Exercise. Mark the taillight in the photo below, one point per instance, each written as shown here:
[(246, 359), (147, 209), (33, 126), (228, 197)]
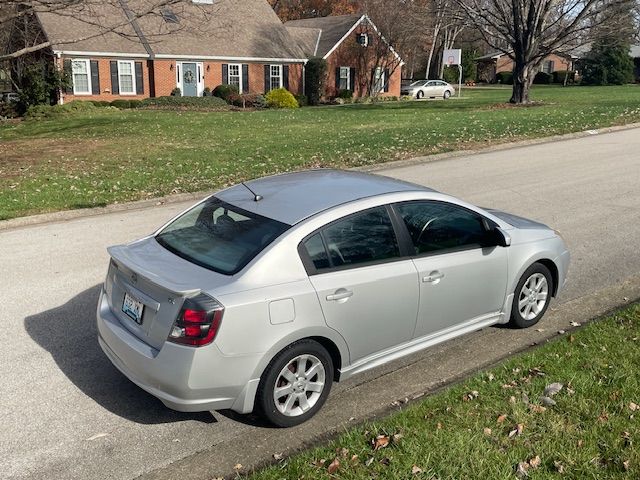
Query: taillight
[(198, 322)]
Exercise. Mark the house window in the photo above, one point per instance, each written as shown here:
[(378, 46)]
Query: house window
[(363, 39), (547, 67), (81, 77), (126, 78), (235, 75), (345, 78), (276, 77), (379, 80)]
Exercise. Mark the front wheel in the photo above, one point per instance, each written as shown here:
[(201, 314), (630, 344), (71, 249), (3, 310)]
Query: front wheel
[(420, 95), (447, 94), (532, 296), (296, 384)]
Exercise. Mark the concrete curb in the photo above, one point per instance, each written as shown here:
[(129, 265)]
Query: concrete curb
[(67, 215)]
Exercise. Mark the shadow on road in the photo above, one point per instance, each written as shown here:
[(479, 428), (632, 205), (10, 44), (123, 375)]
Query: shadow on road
[(70, 335)]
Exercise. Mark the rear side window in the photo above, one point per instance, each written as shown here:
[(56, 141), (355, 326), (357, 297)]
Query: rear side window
[(358, 239), (219, 236), (437, 226)]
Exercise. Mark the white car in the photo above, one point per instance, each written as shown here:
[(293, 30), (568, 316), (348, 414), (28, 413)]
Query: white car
[(429, 89)]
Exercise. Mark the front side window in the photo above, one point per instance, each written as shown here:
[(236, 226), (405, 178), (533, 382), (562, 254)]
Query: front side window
[(345, 80), (126, 78), (358, 239), (276, 76), (235, 75), (219, 236), (379, 79), (81, 77), (437, 226)]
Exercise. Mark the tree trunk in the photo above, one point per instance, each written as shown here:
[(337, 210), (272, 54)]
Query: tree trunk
[(523, 75)]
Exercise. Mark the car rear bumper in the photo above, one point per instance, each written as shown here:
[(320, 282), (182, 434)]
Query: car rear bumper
[(184, 378)]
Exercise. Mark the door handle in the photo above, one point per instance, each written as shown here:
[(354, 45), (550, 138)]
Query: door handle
[(433, 277), (340, 294)]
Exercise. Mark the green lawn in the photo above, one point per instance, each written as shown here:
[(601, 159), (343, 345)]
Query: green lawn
[(104, 157), (487, 426)]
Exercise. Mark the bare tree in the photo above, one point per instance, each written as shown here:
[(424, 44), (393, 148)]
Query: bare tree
[(530, 30)]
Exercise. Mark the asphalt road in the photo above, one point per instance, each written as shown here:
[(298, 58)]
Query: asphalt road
[(67, 413)]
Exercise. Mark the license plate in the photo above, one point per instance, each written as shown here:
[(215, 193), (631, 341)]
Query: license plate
[(133, 308)]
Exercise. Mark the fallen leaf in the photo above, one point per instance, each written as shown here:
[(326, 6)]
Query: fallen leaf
[(552, 389), (333, 466), (237, 466), (278, 456), (439, 426), (521, 470), (397, 437), (575, 324), (491, 377), (512, 399), (535, 462), (625, 464), (344, 452), (537, 408), (354, 458), (633, 407), (416, 470), (571, 339), (381, 441), (501, 418), (604, 416), (517, 430), (559, 466), (487, 431), (547, 401), (560, 332), (385, 461), (626, 436), (368, 462), (580, 443)]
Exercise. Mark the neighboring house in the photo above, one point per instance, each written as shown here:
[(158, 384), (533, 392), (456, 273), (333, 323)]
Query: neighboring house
[(192, 45), (358, 58), (492, 64)]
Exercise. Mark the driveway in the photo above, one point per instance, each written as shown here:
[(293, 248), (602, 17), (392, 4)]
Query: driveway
[(67, 413)]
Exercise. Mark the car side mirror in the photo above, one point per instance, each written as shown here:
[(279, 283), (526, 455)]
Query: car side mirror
[(502, 238)]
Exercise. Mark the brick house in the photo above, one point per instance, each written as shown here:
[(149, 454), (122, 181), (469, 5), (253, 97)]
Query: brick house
[(191, 45), (358, 58), (492, 64)]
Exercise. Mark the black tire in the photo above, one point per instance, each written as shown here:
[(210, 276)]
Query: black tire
[(446, 95), (265, 403), (517, 320), (420, 95)]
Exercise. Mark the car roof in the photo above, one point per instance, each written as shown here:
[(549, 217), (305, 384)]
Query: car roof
[(293, 197)]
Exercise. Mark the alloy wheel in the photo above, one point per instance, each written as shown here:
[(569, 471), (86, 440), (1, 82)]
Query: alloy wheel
[(533, 296), (299, 385)]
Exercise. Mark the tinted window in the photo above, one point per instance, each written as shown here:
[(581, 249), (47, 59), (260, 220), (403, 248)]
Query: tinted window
[(435, 226), (219, 236), (361, 238), (316, 251)]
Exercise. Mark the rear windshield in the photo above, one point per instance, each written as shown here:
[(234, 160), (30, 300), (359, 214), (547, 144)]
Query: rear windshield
[(219, 236)]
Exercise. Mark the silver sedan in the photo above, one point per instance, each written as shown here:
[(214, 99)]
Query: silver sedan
[(264, 294), (429, 89)]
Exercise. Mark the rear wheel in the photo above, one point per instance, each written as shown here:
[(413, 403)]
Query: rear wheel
[(532, 296), (447, 94), (420, 95), (296, 384)]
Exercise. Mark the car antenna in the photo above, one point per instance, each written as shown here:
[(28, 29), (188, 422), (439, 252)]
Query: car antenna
[(256, 197)]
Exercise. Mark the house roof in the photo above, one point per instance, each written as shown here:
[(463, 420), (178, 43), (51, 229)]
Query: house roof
[(307, 38), (332, 30), (226, 29)]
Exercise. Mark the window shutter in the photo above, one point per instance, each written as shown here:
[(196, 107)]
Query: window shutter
[(115, 87), (267, 78), (352, 78), (225, 74), (139, 79), (68, 70), (386, 80), (551, 65), (337, 79), (285, 76), (245, 78), (95, 77)]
